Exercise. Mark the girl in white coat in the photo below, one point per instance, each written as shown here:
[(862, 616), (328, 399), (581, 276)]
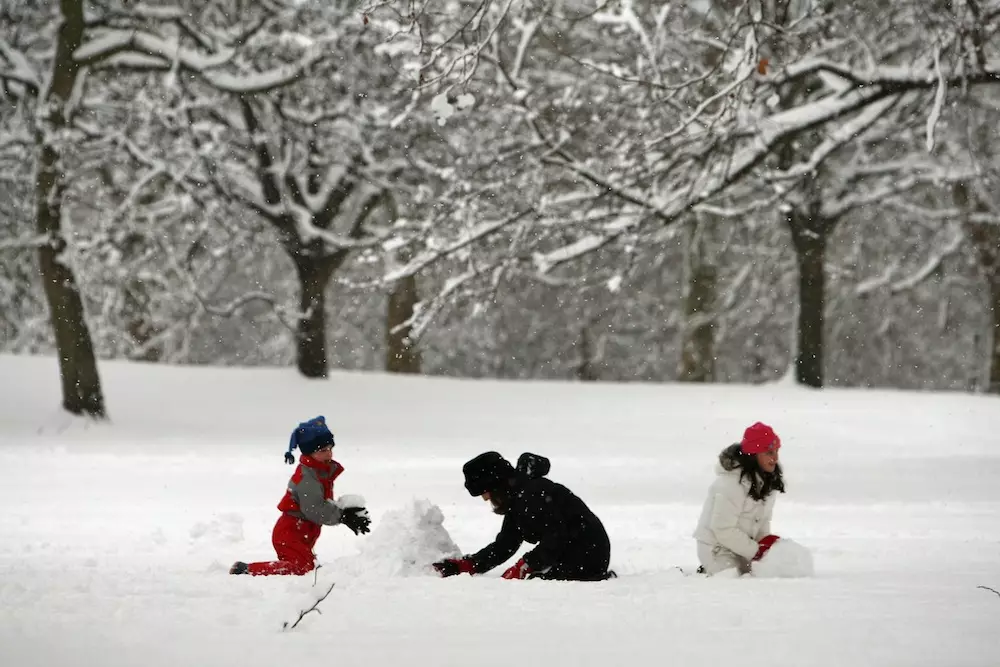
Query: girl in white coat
[(735, 524)]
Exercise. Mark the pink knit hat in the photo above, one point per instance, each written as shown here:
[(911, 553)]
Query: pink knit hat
[(759, 438)]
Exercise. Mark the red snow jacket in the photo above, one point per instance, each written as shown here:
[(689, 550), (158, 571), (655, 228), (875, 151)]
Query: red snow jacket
[(310, 491)]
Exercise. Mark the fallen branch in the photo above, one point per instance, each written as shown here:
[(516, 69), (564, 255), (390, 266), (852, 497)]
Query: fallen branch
[(303, 613)]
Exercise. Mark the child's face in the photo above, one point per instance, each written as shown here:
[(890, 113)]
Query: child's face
[(324, 455)]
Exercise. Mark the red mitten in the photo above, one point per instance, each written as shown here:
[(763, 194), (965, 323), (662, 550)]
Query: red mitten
[(765, 544), (518, 570), (452, 566)]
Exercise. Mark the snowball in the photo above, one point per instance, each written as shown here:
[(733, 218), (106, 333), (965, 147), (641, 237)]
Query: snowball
[(405, 542), (785, 559), (350, 500)]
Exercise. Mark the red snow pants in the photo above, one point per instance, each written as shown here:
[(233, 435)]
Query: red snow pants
[(293, 540)]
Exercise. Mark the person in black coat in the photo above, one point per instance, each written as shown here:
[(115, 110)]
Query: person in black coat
[(572, 542)]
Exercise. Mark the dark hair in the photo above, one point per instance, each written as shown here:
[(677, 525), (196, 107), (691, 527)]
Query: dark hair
[(761, 483)]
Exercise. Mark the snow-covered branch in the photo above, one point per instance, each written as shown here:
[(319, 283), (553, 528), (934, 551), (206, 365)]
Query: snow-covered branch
[(18, 68), (23, 243), (770, 132), (839, 137), (109, 43), (929, 267), (939, 96), (427, 257), (900, 182)]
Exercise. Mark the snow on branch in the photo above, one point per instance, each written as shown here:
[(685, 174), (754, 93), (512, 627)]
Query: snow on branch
[(932, 264), (25, 242), (838, 138), (446, 50), (108, 47), (428, 257), (903, 181), (894, 77), (263, 81), (19, 69), (770, 132), (810, 66), (939, 214), (939, 97), (424, 313)]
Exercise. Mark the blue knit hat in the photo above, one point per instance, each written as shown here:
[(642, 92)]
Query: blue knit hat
[(308, 437)]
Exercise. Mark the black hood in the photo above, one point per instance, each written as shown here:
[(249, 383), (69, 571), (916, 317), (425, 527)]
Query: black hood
[(533, 466)]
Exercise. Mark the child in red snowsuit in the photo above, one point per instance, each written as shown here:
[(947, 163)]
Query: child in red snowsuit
[(307, 504)]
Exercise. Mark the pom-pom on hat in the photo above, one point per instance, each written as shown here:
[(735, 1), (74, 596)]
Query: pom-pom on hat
[(759, 438), (309, 437)]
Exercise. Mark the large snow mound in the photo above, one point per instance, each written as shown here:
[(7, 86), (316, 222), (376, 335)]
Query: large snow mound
[(785, 559), (404, 542)]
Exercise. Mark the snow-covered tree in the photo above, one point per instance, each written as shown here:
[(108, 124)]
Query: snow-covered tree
[(53, 77)]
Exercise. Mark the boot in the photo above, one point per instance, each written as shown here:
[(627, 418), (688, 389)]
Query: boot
[(238, 567)]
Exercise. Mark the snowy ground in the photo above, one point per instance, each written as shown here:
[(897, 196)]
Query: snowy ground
[(115, 539)]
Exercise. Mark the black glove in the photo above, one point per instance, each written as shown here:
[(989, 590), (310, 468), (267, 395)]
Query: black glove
[(356, 518)]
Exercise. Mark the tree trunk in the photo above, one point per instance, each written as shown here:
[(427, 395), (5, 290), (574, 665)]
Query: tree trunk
[(698, 347), (810, 237), (140, 325), (585, 369), (310, 335), (985, 239), (81, 385), (993, 386), (402, 354)]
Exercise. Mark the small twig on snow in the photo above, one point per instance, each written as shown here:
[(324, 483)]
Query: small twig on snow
[(987, 588), (303, 613)]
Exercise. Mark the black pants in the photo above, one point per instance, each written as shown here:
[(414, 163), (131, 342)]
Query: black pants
[(582, 561)]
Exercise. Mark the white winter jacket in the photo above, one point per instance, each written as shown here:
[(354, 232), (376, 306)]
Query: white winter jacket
[(732, 519)]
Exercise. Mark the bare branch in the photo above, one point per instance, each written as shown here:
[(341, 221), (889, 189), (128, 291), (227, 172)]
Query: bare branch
[(314, 607)]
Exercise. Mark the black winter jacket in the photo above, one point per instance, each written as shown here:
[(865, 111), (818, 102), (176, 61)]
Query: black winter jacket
[(572, 542)]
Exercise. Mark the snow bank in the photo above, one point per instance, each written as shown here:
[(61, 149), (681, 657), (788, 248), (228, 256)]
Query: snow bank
[(404, 542), (785, 559)]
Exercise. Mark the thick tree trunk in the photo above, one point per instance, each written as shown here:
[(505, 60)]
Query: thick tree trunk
[(698, 347), (314, 276), (402, 353), (81, 385), (810, 239)]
